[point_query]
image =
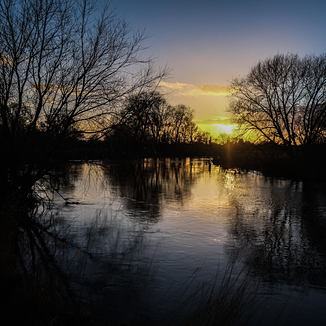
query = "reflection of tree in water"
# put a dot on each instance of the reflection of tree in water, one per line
(281, 238)
(48, 267)
(61, 179)
(148, 184)
(30, 275)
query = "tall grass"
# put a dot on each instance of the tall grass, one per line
(226, 300)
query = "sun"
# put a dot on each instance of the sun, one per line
(220, 128)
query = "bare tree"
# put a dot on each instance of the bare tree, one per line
(182, 123)
(145, 115)
(64, 65)
(282, 100)
(146, 121)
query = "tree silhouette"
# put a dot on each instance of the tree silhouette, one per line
(282, 100)
(145, 114)
(146, 121)
(64, 66)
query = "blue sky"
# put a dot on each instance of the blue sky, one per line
(207, 42)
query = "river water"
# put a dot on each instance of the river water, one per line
(153, 236)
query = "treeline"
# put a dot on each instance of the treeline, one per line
(147, 125)
(143, 124)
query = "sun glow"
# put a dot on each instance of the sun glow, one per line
(218, 128)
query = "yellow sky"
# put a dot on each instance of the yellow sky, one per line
(208, 101)
(218, 128)
(194, 90)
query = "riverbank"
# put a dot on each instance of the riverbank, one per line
(272, 161)
(266, 158)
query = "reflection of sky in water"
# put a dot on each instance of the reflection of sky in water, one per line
(190, 215)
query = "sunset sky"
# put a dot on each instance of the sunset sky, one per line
(209, 42)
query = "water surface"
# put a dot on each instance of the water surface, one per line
(157, 230)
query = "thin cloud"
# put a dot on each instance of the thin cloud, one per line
(193, 90)
(220, 120)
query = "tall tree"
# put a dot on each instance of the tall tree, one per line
(141, 123)
(145, 114)
(146, 120)
(64, 65)
(182, 123)
(282, 99)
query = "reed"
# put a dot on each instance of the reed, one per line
(226, 300)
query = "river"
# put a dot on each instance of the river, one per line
(155, 236)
